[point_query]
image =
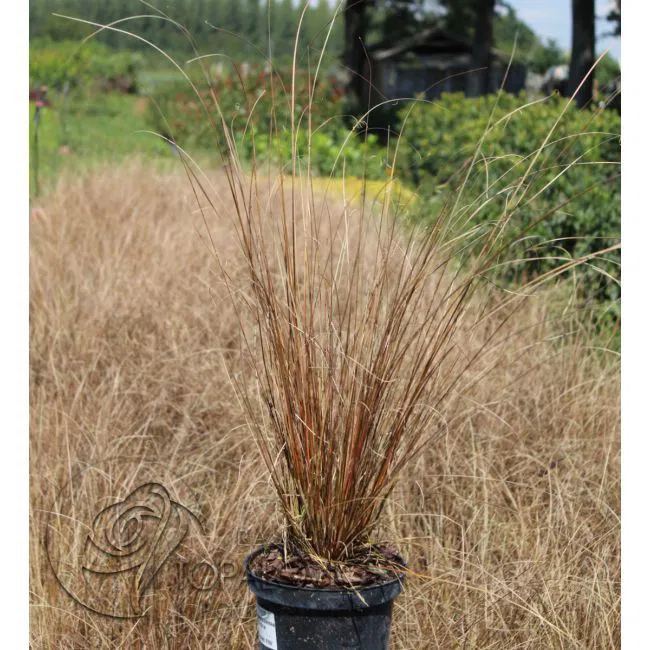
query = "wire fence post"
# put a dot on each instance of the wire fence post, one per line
(64, 114)
(37, 121)
(41, 102)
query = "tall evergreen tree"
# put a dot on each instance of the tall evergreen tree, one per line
(253, 30)
(316, 24)
(216, 17)
(235, 20)
(288, 25)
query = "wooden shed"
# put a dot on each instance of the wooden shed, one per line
(431, 62)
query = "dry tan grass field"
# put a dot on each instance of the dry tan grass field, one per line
(510, 521)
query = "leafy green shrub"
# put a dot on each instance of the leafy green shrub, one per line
(334, 152)
(258, 93)
(571, 204)
(54, 64)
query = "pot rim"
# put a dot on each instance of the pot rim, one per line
(334, 590)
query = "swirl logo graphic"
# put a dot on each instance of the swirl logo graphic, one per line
(110, 566)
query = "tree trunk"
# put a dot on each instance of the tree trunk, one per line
(354, 55)
(478, 82)
(583, 50)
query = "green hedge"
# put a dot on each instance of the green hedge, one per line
(440, 141)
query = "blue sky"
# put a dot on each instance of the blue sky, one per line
(552, 19)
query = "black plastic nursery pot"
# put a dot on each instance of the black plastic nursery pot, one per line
(301, 618)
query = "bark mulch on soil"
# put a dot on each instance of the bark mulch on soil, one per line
(379, 565)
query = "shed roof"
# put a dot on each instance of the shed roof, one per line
(432, 41)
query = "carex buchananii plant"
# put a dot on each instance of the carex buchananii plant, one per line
(355, 355)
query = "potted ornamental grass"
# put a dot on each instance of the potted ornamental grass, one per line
(355, 356)
(365, 328)
(358, 326)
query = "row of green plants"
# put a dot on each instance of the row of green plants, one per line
(244, 91)
(55, 63)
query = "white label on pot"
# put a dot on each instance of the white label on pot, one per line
(266, 628)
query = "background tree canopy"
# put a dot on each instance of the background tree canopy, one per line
(237, 28)
(394, 19)
(240, 28)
